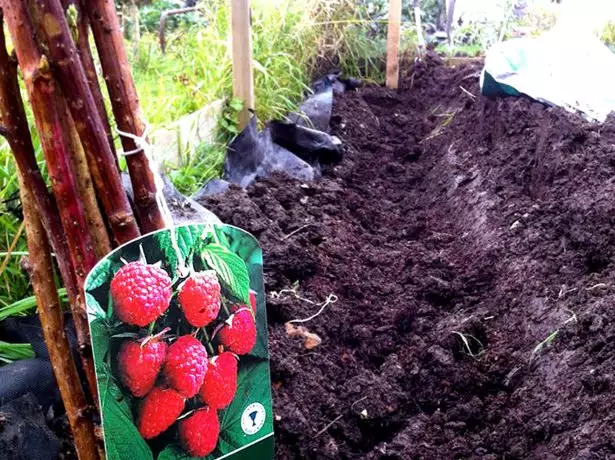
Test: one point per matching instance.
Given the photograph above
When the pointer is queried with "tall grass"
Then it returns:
(291, 42)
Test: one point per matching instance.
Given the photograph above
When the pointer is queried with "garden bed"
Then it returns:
(470, 245)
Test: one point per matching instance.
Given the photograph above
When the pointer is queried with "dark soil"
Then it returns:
(470, 244)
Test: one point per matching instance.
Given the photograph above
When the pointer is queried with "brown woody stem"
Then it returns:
(85, 52)
(15, 126)
(101, 159)
(100, 238)
(50, 121)
(52, 322)
(116, 71)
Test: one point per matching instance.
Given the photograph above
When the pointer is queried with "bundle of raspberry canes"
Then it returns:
(172, 373)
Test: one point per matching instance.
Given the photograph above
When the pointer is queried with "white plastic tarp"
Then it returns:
(575, 71)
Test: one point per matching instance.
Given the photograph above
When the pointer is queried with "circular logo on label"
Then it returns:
(253, 418)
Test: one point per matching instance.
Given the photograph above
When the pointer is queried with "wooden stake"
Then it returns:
(52, 323)
(116, 72)
(393, 38)
(243, 73)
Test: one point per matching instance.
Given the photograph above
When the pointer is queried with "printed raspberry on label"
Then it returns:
(141, 293)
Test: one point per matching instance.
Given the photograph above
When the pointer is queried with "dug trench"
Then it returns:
(470, 245)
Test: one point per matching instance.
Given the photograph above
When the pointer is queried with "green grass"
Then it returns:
(13, 283)
(469, 50)
(196, 69)
(10, 352)
(26, 305)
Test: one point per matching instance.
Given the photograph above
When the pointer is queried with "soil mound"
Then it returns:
(470, 245)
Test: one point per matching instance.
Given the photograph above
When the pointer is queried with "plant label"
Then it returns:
(179, 336)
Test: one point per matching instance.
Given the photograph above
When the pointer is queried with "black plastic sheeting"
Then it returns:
(34, 376)
(298, 146)
(24, 434)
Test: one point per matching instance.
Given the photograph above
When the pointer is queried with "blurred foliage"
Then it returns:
(608, 35)
(150, 16)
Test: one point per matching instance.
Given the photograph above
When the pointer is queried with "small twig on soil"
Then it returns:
(563, 291)
(280, 295)
(329, 425)
(472, 96)
(357, 402)
(573, 317)
(331, 299)
(339, 417)
(597, 286)
(294, 232)
(439, 280)
(472, 75)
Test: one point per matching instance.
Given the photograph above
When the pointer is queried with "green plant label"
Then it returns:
(179, 336)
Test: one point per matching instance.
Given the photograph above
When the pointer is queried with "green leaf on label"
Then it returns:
(95, 311)
(253, 385)
(122, 439)
(100, 340)
(186, 239)
(99, 275)
(174, 452)
(221, 236)
(231, 270)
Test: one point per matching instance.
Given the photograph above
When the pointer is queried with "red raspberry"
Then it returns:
(199, 298)
(237, 307)
(220, 382)
(140, 363)
(199, 432)
(186, 365)
(141, 293)
(158, 411)
(239, 333)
